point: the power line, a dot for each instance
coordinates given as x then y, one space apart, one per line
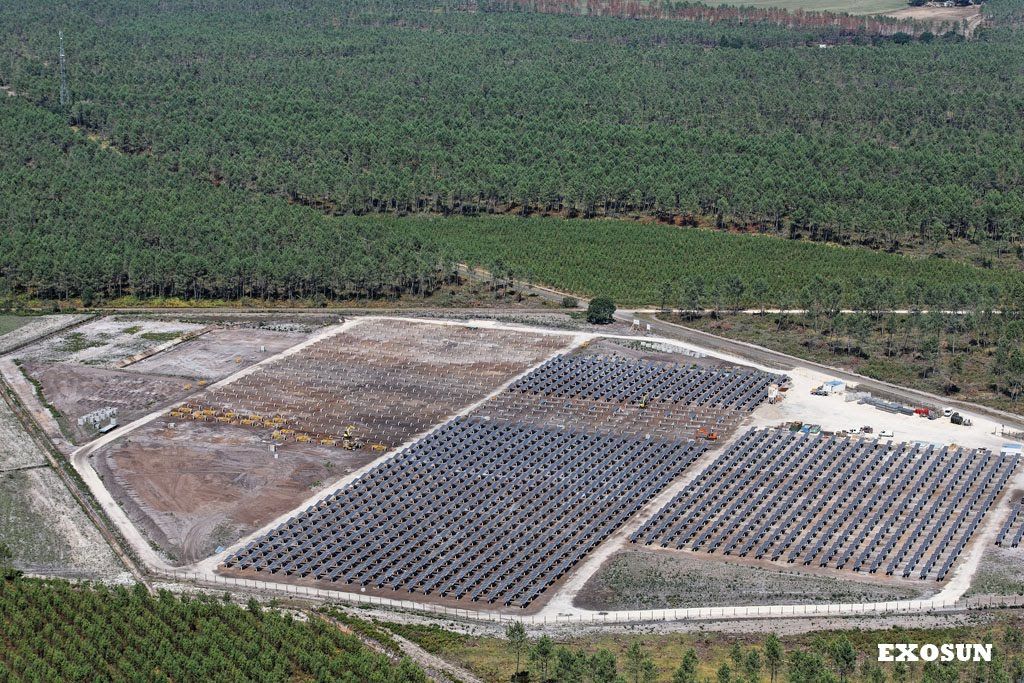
65 98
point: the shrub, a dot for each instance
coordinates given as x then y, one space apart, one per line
601 311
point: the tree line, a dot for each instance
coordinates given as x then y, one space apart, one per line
81 220
55 631
824 660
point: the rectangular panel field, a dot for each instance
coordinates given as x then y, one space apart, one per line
906 510
389 380
638 382
479 510
1011 535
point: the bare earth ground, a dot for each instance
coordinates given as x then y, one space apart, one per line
105 341
40 521
218 353
554 320
647 579
388 379
951 14
16 449
76 390
46 530
36 327
191 499
1001 572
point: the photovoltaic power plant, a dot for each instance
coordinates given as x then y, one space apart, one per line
1011 535
907 510
628 381
480 510
497 506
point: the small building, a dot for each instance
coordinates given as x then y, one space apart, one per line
833 386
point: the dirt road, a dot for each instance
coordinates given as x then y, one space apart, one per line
782 361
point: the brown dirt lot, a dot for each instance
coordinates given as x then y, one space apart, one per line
937 14
652 579
196 486
945 18
75 390
218 353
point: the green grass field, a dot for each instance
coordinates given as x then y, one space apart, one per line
9 323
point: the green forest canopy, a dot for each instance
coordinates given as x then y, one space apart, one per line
81 218
357 107
55 631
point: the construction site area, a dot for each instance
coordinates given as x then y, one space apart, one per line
513 468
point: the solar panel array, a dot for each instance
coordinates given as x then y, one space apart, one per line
907 510
484 510
658 420
1012 532
634 382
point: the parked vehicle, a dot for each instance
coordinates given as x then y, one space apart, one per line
958 419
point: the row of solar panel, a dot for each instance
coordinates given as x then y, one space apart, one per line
835 502
636 382
1012 532
479 509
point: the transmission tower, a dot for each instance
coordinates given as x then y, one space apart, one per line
64 97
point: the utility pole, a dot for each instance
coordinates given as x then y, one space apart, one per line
65 99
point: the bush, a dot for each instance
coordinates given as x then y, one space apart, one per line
601 311
569 302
